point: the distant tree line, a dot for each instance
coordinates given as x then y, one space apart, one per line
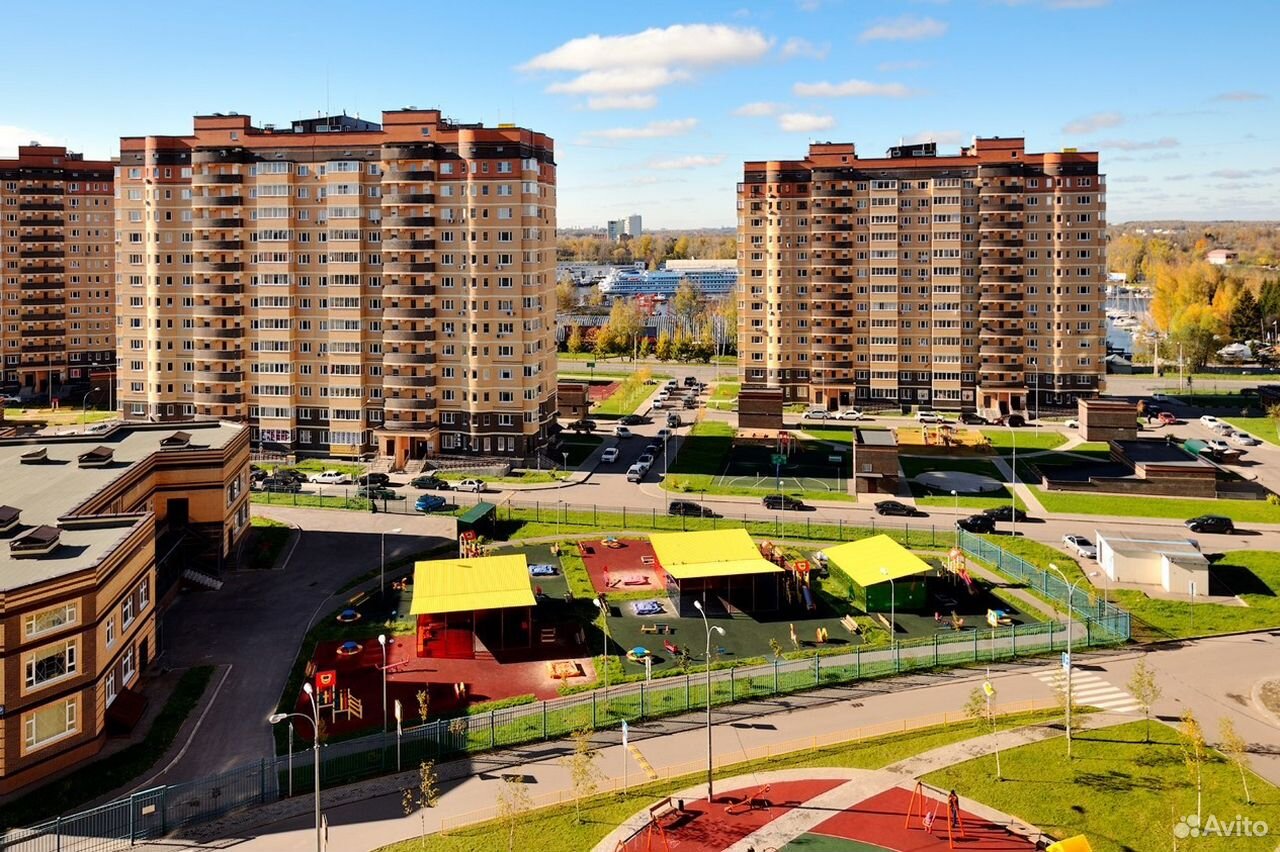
652 249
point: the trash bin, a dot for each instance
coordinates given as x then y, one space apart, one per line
906 410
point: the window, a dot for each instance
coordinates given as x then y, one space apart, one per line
51 664
127 668
144 595
49 724
111 631
126 612
49 620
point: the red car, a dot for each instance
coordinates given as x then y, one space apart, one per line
1168 418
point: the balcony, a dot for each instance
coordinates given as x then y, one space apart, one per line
219 376
406 425
397 290
217 288
994 331
408 358
219 200
43 270
208 356
217 333
985 277
211 266
408 335
32 316
56 189
208 180
987 382
213 398
391 403
217 310
40 205
217 245
985 348
408 245
43 298
403 267
416 175
993 242
43 238
225 222
39 253
398 221
991 294
406 313
410 198
390 380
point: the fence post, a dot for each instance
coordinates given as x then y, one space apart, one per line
593 709
935 650
975 646
1013 642
686 692
544 719
642 701
493 728
857 662
897 654
133 809
732 684
775 675
262 778
817 671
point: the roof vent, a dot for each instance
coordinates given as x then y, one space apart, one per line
97 457
176 441
8 518
37 456
40 541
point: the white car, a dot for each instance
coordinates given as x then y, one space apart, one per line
816 414
330 477
928 415
659 404
1072 424
1244 439
663 396
609 455
622 432
476 485
1081 545
665 433
1218 445
1210 421
850 414
646 460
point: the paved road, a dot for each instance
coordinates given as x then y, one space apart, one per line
1214 678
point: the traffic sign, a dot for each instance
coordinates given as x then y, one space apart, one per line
778 458
591 365
1066 661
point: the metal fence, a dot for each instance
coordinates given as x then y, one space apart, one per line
164 810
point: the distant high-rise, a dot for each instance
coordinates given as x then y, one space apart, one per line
629 227
58 245
970 281
343 286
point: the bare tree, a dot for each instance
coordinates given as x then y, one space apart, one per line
1146 691
1195 753
426 795
583 772
514 802
1237 751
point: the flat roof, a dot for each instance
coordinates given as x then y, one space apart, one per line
1176 548
709 553
465 585
863 560
476 513
876 438
46 491
1159 452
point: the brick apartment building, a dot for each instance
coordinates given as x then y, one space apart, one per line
969 281
343 286
57 251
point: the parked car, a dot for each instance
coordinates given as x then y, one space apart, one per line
659 403
431 482
623 432
663 395
375 492
1218 445
1162 397
1081 545
673 421
927 415
1015 421
1167 418
972 418
977 524
632 420
291 474
665 434
816 414
610 455
636 472
429 503
256 473
583 425
374 479
690 381
850 414
784 502
690 403
1005 513
652 449
99 428
893 507
476 485
1210 421
282 485
1072 424
1244 439
690 509
1223 429
1211 524
646 460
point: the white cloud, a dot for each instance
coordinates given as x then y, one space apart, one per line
905 28
800 48
699 45
1094 122
902 65
693 161
12 136
1240 95
614 81
1242 174
942 137
852 89
804 122
1139 145
757 109
622 102
652 130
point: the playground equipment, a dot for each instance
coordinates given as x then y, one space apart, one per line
998 618
958 569
1079 843
653 830
920 797
756 798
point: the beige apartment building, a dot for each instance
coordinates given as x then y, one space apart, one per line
343 286
57 253
963 282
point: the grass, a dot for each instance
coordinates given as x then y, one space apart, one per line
555 828
705 449
1027 439
266 539
625 399
67 415
1115 505
309 466
579 447
1119 791
98 778
1263 428
310 501
606 374
726 391
517 477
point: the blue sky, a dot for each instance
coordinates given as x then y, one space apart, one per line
654 105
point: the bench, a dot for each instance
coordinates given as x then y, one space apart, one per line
655 628
358 598
887 626
851 624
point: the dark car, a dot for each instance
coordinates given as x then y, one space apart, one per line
1005 513
977 524
691 403
290 474
256 473
374 492
631 420
1211 524
429 503
690 381
784 502
673 421
1015 421
583 425
375 479
689 509
279 484
972 418
652 450
893 507
430 481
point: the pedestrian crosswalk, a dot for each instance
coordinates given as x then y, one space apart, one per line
1091 690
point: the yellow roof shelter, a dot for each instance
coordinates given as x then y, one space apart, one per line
710 553
1079 843
863 559
467 585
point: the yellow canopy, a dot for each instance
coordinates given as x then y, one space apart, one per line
710 553
1079 843
863 559
466 585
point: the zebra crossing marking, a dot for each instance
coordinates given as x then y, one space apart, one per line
1089 689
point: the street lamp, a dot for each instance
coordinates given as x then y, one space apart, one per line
893 595
314 718
382 570
559 503
956 495
382 640
1071 593
84 407
718 629
566 463
604 619
1013 492
664 455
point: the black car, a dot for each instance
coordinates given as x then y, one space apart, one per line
893 507
281 485
375 479
429 481
972 418
977 524
290 474
690 381
1014 421
689 509
690 403
1211 524
256 473
784 502
631 420
583 425
1005 513
375 492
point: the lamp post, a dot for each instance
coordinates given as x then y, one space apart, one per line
893 595
566 463
1071 593
559 503
718 629
382 574
84 407
956 495
1013 492
382 640
314 718
664 455
604 620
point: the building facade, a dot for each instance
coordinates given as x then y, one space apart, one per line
969 281
343 286
84 522
629 227
57 250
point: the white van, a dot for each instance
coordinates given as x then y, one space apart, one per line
928 415
636 472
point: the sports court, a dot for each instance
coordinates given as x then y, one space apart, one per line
807 465
622 565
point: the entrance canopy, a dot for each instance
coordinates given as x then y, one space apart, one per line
712 553
863 560
467 585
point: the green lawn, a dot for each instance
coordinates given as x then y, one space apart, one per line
624 400
554 829
1115 505
705 484
581 375
266 539
705 449
1263 428
1003 441
1120 792
579 446
1254 575
726 391
828 433
516 477
312 501
309 466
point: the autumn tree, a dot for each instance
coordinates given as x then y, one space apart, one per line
680 250
1145 690
1195 753
584 775
686 305
513 802
575 342
566 295
604 341
665 348
1237 751
626 322
425 795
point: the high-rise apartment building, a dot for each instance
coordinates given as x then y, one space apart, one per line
630 227
57 252
341 285
970 281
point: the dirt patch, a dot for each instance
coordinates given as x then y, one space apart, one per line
1270 696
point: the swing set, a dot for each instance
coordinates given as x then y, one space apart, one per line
654 831
920 797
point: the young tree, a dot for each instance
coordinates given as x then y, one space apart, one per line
514 802
1063 697
604 341
424 704
583 772
1245 321
975 706
665 349
575 342
686 305
1146 691
1237 751
1195 752
426 795
566 294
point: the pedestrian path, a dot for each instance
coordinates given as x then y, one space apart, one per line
1091 690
